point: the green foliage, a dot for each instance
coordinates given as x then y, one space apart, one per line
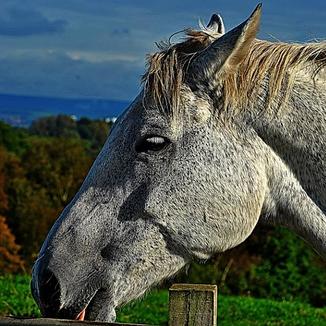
56 165
272 263
15 299
55 126
94 132
13 139
40 173
3 195
291 270
50 172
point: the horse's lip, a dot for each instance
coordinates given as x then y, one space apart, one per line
73 313
81 315
89 306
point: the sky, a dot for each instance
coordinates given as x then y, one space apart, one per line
97 48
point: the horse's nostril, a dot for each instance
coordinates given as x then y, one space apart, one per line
49 294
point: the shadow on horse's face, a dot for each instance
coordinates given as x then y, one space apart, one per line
165 188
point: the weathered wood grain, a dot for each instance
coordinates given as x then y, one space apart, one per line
193 305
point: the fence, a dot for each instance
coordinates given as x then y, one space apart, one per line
189 305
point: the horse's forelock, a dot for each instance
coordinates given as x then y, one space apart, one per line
167 69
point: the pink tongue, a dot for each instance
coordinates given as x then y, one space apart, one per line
81 315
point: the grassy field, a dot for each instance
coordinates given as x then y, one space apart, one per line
15 299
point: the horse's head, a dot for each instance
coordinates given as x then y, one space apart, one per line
172 182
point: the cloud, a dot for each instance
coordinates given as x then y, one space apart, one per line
123 31
102 52
23 22
101 56
58 74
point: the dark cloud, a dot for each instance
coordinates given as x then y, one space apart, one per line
123 31
101 53
57 74
23 22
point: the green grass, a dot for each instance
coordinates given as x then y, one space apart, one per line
15 299
15 296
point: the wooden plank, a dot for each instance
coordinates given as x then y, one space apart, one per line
55 322
193 305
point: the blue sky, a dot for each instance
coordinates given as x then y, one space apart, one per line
96 48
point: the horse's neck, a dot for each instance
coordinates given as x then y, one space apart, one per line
288 204
296 166
297 134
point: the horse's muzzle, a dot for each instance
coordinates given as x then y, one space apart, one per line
46 291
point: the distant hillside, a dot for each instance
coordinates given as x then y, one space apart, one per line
22 110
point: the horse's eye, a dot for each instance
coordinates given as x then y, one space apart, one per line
151 144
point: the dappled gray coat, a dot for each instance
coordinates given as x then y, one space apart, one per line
227 132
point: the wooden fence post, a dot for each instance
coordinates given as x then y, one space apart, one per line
193 305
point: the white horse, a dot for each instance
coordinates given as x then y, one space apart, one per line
228 131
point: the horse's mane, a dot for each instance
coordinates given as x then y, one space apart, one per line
278 63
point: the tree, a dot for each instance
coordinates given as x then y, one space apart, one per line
10 261
57 165
55 126
31 217
48 175
273 262
3 195
95 131
13 139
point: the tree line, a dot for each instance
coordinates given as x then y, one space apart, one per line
42 167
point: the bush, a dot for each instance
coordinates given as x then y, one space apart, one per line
272 263
50 172
10 261
291 270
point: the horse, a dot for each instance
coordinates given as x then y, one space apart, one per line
227 132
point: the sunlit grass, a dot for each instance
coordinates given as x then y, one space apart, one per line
16 300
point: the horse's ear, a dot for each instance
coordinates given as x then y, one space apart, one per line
229 50
216 24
